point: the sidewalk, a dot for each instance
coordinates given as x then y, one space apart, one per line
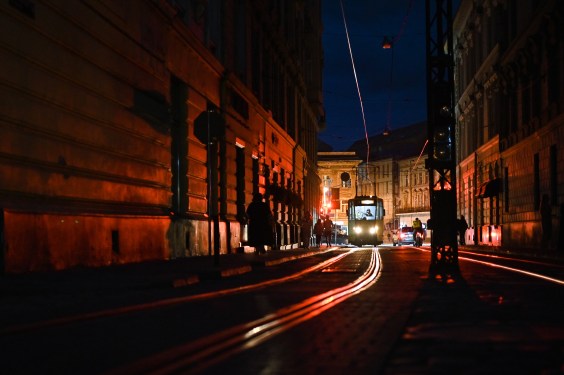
150 274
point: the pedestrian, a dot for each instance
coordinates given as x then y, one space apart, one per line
260 224
305 226
318 231
462 227
417 227
546 220
328 230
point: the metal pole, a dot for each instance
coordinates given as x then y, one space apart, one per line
441 161
208 152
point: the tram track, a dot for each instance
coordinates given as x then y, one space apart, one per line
514 264
184 334
167 302
207 351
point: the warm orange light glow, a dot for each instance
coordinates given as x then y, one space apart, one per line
326 198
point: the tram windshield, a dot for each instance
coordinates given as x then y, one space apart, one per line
365 212
365 209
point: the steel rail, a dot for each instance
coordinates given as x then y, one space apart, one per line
512 259
164 302
512 269
200 354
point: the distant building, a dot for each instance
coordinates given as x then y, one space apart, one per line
338 173
509 80
413 201
395 172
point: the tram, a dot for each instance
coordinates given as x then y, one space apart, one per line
366 220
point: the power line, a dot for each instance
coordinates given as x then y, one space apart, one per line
356 80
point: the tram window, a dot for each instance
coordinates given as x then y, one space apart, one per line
365 212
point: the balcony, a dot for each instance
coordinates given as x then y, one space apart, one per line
406 210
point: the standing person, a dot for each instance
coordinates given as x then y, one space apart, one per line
328 229
318 231
260 224
462 227
417 227
305 226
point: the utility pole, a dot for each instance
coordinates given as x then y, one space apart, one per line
441 162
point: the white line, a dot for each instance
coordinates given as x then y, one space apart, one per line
495 256
532 274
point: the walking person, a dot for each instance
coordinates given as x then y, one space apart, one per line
260 224
328 230
462 227
318 232
305 226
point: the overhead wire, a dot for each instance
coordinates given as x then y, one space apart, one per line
394 40
404 22
357 86
392 43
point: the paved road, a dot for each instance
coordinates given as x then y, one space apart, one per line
490 320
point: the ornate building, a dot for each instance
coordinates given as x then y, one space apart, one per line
413 198
396 173
338 171
510 107
139 130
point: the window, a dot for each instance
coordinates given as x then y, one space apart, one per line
506 188
553 170
536 181
240 180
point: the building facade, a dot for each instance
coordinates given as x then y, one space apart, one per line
509 85
135 131
338 171
397 160
402 184
413 197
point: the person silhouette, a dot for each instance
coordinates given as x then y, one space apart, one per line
306 225
328 230
260 224
318 231
462 227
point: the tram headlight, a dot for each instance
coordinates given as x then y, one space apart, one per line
357 230
373 229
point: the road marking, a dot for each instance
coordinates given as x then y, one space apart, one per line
512 269
202 353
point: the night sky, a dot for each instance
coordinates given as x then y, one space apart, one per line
394 95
